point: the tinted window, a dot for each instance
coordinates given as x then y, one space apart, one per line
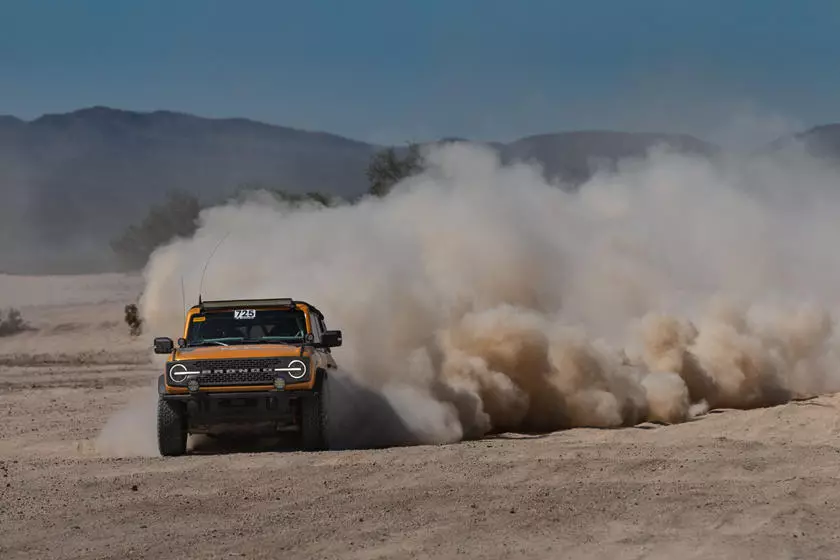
281 325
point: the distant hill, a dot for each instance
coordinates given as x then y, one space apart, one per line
821 141
72 181
105 167
574 156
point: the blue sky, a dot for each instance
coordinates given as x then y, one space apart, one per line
399 70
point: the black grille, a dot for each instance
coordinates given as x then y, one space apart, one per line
241 371
255 378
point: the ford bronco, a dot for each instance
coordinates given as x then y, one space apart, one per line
259 365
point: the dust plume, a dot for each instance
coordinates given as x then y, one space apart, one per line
131 431
478 298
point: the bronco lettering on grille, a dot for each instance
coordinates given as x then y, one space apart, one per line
247 371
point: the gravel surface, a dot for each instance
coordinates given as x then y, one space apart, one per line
732 484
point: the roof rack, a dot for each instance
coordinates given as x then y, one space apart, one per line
255 304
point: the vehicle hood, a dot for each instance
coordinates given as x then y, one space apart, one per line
239 351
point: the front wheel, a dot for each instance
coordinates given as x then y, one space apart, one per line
314 424
171 428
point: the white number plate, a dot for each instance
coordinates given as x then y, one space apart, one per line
244 313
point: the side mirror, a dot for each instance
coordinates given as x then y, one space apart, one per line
331 339
164 345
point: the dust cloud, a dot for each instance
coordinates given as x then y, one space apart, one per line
479 298
131 430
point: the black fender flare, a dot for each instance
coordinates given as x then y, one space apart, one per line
320 377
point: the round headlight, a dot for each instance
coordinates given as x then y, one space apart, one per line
297 369
179 373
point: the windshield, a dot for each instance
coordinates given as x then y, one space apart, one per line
247 326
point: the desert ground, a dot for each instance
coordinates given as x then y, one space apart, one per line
79 475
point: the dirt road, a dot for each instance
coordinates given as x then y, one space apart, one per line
733 484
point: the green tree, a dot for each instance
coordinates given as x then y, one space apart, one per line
177 217
298 198
243 191
387 168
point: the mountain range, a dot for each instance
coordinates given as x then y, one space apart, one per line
72 181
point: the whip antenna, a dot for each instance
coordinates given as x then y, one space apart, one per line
201 282
183 298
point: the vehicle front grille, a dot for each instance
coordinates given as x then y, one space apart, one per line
249 378
241 371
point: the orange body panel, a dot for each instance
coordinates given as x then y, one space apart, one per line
240 351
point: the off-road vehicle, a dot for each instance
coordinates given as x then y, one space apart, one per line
258 365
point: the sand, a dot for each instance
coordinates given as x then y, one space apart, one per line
732 484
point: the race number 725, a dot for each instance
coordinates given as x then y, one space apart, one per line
244 313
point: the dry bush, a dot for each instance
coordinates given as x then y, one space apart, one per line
133 320
11 322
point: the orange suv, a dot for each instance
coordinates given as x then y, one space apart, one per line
255 365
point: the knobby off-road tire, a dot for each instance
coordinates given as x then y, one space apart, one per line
171 428
314 433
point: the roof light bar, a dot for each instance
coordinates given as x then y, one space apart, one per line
252 303
256 304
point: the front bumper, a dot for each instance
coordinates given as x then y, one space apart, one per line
208 411
297 391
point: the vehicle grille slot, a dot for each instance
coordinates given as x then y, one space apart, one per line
244 371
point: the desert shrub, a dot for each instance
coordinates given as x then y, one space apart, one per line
133 320
11 322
